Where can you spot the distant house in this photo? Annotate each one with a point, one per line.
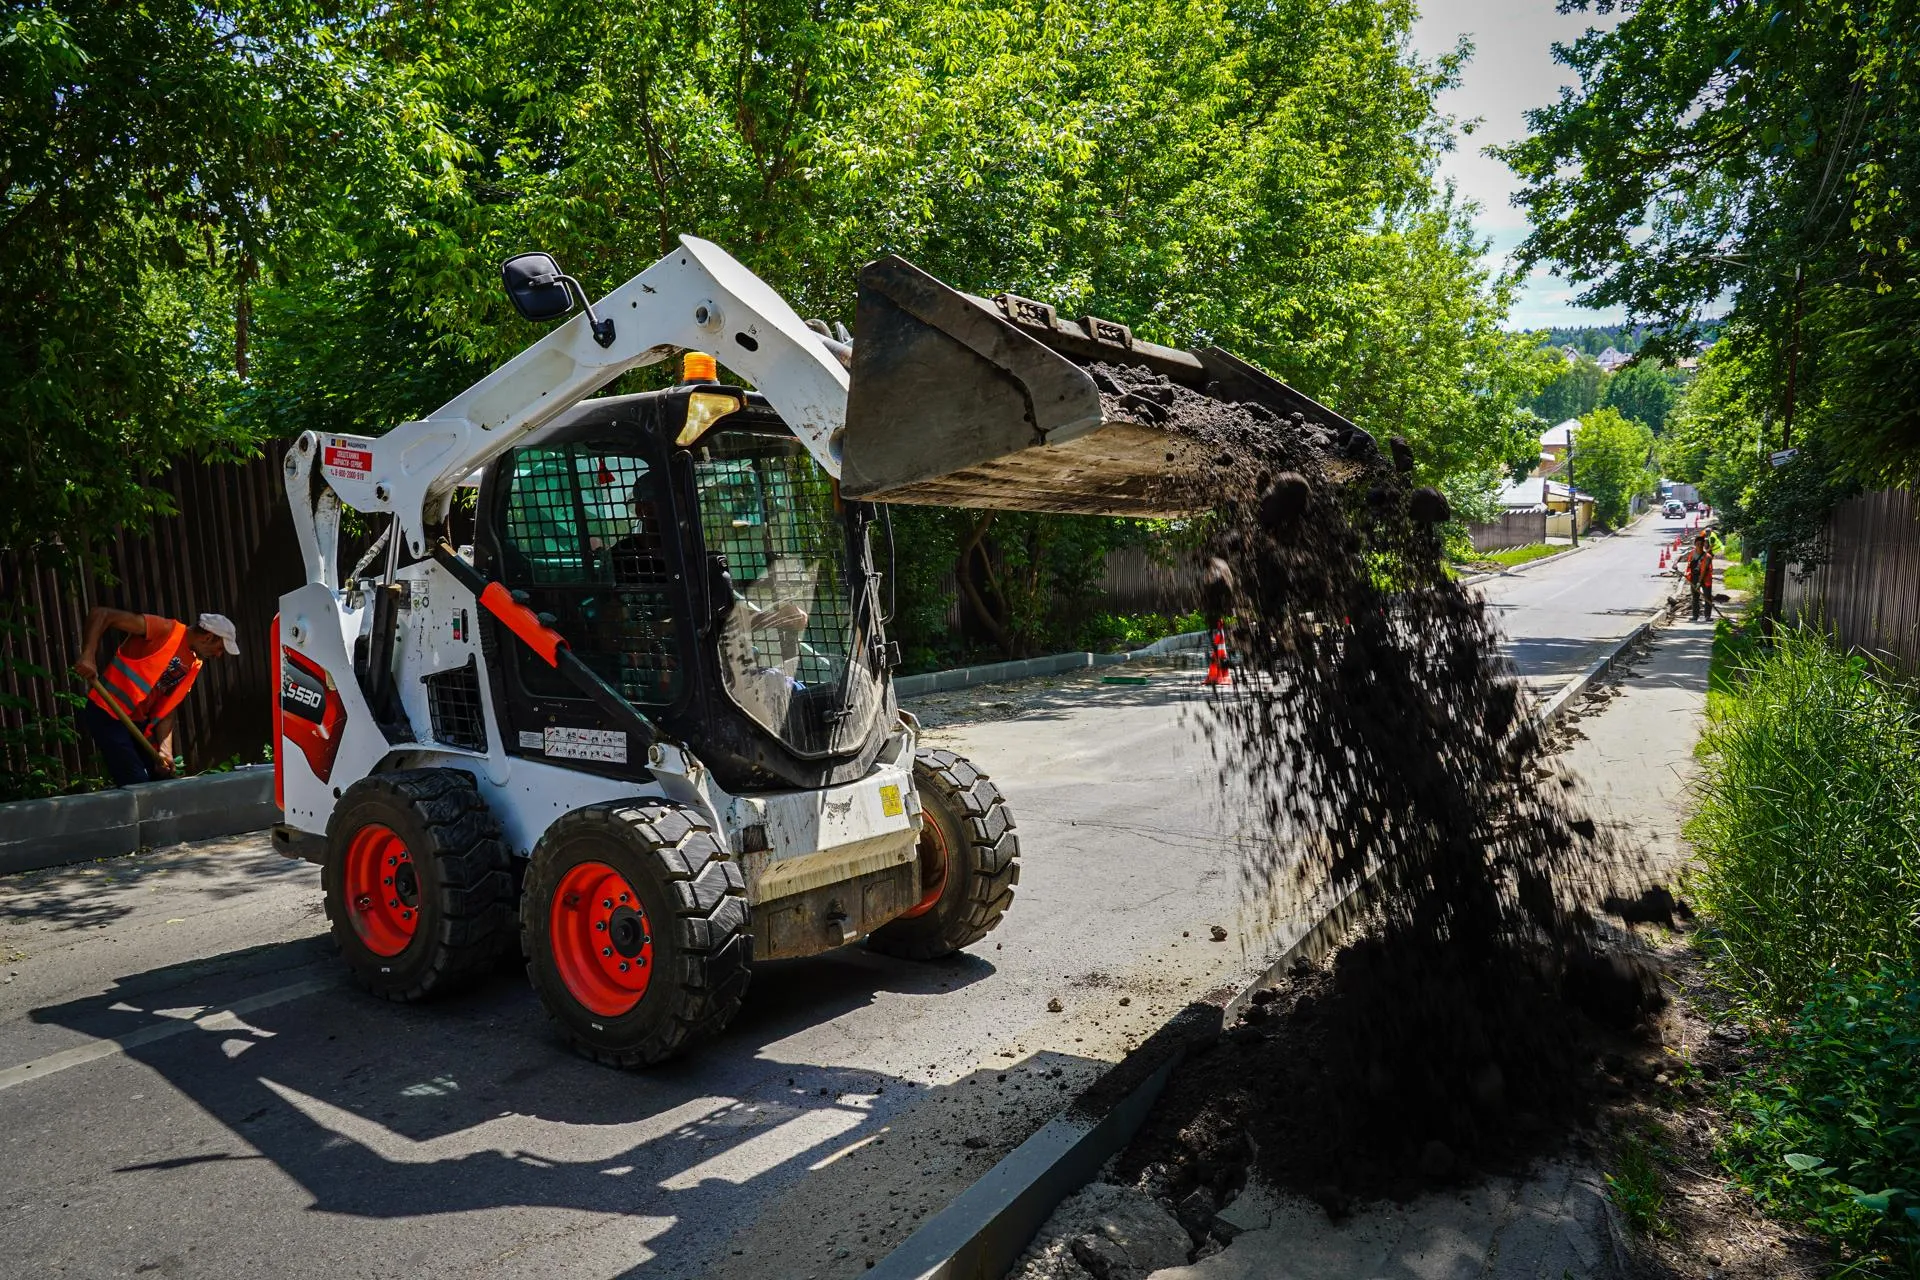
(1611, 359)
(1554, 443)
(1572, 354)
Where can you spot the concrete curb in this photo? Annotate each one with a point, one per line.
(61, 830)
(984, 1230)
(1556, 706)
(1026, 668)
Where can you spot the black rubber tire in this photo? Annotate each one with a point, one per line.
(983, 863)
(465, 882)
(682, 873)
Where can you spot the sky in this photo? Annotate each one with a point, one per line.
(1512, 69)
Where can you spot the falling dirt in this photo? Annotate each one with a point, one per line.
(1385, 742)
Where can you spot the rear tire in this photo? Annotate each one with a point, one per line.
(418, 886)
(969, 852)
(636, 931)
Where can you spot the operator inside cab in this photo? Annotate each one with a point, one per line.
(756, 678)
(145, 682)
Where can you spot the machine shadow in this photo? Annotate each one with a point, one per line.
(380, 1110)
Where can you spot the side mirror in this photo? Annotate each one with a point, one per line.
(537, 286)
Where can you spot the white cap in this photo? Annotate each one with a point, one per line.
(221, 626)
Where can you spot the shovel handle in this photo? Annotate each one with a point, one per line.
(166, 765)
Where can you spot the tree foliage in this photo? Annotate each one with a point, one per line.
(1644, 392)
(1764, 152)
(1575, 390)
(1612, 458)
(305, 229)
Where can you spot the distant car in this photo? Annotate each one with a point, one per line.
(1674, 509)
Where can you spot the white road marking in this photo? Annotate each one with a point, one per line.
(552, 1142)
(222, 1019)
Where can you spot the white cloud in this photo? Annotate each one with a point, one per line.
(1512, 69)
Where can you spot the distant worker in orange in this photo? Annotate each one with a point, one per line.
(1698, 570)
(146, 680)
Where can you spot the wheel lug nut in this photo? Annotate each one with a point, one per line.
(393, 902)
(606, 951)
(601, 925)
(623, 966)
(608, 904)
(623, 897)
(393, 862)
(388, 880)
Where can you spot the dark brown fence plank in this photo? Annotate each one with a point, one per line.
(1868, 591)
(229, 549)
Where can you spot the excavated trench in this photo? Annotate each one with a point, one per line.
(1382, 738)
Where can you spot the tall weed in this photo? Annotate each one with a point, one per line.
(1808, 821)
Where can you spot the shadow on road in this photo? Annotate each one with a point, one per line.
(389, 1111)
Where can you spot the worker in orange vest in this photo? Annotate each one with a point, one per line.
(146, 680)
(1698, 569)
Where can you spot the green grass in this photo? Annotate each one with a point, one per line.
(1807, 828)
(1744, 575)
(1636, 1186)
(1807, 820)
(1827, 1129)
(1512, 556)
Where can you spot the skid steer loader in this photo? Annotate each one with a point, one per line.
(644, 718)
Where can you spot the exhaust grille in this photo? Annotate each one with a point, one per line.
(453, 702)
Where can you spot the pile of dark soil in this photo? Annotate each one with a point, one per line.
(1384, 741)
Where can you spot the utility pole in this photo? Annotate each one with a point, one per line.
(1573, 491)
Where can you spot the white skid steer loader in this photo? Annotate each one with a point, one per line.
(645, 720)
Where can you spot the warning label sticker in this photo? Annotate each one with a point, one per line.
(530, 740)
(890, 802)
(345, 460)
(609, 745)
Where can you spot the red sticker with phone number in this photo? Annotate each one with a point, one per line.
(346, 461)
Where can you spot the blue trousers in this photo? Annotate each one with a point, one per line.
(126, 762)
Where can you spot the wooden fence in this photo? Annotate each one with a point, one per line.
(1513, 529)
(1868, 591)
(231, 550)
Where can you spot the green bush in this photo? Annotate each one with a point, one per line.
(1827, 1129)
(1808, 821)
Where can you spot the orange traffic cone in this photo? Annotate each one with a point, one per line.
(1217, 672)
(1663, 557)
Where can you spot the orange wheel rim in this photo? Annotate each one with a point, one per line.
(601, 939)
(382, 890)
(933, 867)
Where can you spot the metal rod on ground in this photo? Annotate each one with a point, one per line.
(106, 696)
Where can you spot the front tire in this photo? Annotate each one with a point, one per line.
(969, 861)
(635, 927)
(418, 887)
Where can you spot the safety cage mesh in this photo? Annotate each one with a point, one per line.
(789, 647)
(584, 537)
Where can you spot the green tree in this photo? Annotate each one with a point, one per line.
(156, 158)
(1763, 152)
(1575, 391)
(1612, 460)
(1643, 392)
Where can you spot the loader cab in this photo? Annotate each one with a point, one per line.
(695, 556)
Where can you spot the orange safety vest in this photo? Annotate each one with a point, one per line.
(132, 682)
(1700, 566)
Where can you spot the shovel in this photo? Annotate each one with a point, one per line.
(165, 765)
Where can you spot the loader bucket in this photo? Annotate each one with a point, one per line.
(956, 400)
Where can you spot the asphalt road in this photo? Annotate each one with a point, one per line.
(189, 1088)
(1559, 614)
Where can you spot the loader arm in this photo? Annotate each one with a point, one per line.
(695, 298)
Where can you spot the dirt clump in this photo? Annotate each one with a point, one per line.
(1385, 743)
